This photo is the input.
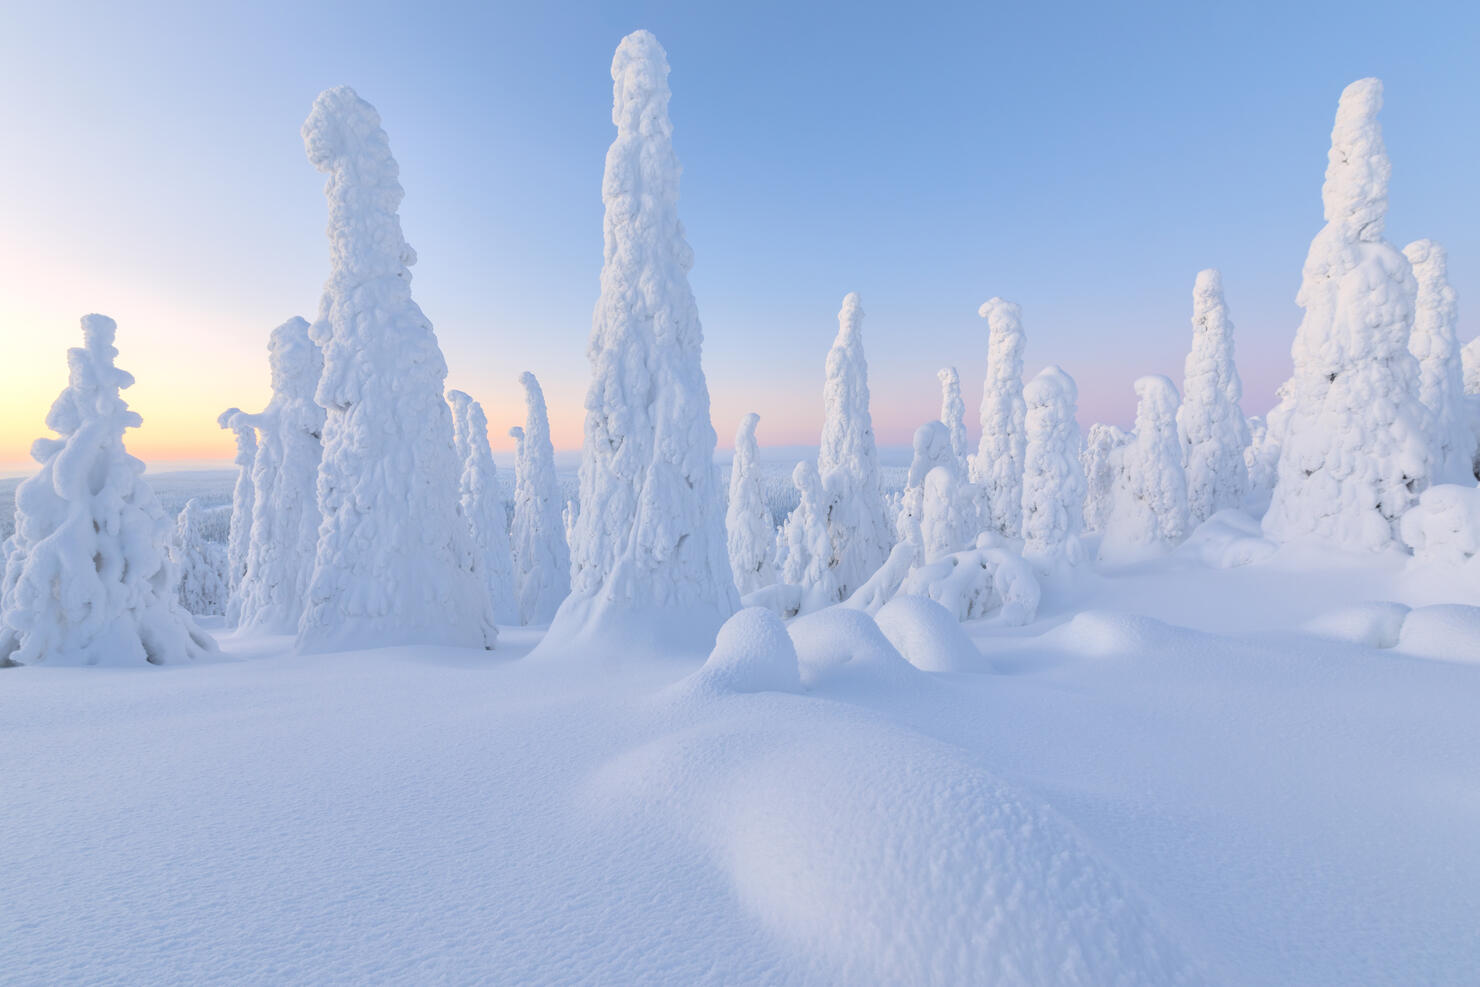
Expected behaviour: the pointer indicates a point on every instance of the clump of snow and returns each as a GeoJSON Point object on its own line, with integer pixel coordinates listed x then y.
{"type": "Point", "coordinates": [884, 584]}
{"type": "Point", "coordinates": [1444, 526]}
{"type": "Point", "coordinates": [953, 412]}
{"type": "Point", "coordinates": [1149, 516]}
{"type": "Point", "coordinates": [1355, 452]}
{"type": "Point", "coordinates": [239, 533]}
{"type": "Point", "coordinates": [1053, 482]}
{"type": "Point", "coordinates": [650, 537]}
{"type": "Point", "coordinates": [483, 506]}
{"type": "Point", "coordinates": [979, 582]}
{"type": "Point", "coordinates": [541, 551]}
{"type": "Point", "coordinates": [998, 466]}
{"type": "Point", "coordinates": [752, 653]}
{"type": "Point", "coordinates": [88, 579]}
{"type": "Point", "coordinates": [1375, 625]}
{"type": "Point", "coordinates": [201, 564]}
{"type": "Point", "coordinates": [1447, 631]}
{"type": "Point", "coordinates": [1441, 379]}
{"type": "Point", "coordinates": [1211, 425]}
{"type": "Point", "coordinates": [927, 635]}
{"type": "Point", "coordinates": [782, 599]}
{"type": "Point", "coordinates": [805, 548]}
{"type": "Point", "coordinates": [843, 645]}
{"type": "Point", "coordinates": [395, 563]}
{"type": "Point", "coordinates": [751, 538]}
{"type": "Point", "coordinates": [1098, 459]}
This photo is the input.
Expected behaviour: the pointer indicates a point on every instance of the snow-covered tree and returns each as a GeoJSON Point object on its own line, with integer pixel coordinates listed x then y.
{"type": "Point", "coordinates": [483, 506]}
{"type": "Point", "coordinates": [395, 562]}
{"type": "Point", "coordinates": [953, 411]}
{"type": "Point", "coordinates": [239, 532]}
{"type": "Point", "coordinates": [998, 466]}
{"type": "Point", "coordinates": [1053, 480]}
{"type": "Point", "coordinates": [1470, 364]}
{"type": "Point", "coordinates": [1097, 459]}
{"type": "Point", "coordinates": [1355, 452]}
{"type": "Point", "coordinates": [932, 448]}
{"type": "Point", "coordinates": [1210, 422]}
{"type": "Point", "coordinates": [285, 513]}
{"type": "Point", "coordinates": [752, 538]}
{"type": "Point", "coordinates": [948, 518]}
{"type": "Point", "coordinates": [1441, 380]}
{"type": "Point", "coordinates": [806, 548]}
{"type": "Point", "coordinates": [650, 561]}
{"type": "Point", "coordinates": [848, 460]}
{"type": "Point", "coordinates": [1149, 515]}
{"type": "Point", "coordinates": [201, 564]}
{"type": "Point", "coordinates": [541, 553]}
{"type": "Point", "coordinates": [88, 577]}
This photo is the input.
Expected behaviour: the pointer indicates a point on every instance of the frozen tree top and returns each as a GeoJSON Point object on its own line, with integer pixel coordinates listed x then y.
{"type": "Point", "coordinates": [1356, 188]}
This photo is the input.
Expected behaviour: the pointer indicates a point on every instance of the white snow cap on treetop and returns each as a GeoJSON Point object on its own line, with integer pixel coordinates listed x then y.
{"type": "Point", "coordinates": [1356, 186]}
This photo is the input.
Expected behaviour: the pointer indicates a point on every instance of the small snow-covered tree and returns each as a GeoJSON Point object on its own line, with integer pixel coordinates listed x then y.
{"type": "Point", "coordinates": [483, 506]}
{"type": "Point", "coordinates": [1210, 422]}
{"type": "Point", "coordinates": [948, 518]}
{"type": "Point", "coordinates": [806, 546]}
{"type": "Point", "coordinates": [1097, 459]}
{"type": "Point", "coordinates": [1355, 452]}
{"type": "Point", "coordinates": [395, 563]}
{"type": "Point", "coordinates": [752, 538]}
{"type": "Point", "coordinates": [1053, 480]}
{"type": "Point", "coordinates": [239, 533]}
{"type": "Point", "coordinates": [848, 460]}
{"type": "Point", "coordinates": [88, 578]}
{"type": "Point", "coordinates": [201, 564]}
{"type": "Point", "coordinates": [1441, 378]}
{"type": "Point", "coordinates": [998, 466]}
{"type": "Point", "coordinates": [541, 552]}
{"type": "Point", "coordinates": [953, 411]}
{"type": "Point", "coordinates": [1149, 515]}
{"type": "Point", "coordinates": [932, 448]}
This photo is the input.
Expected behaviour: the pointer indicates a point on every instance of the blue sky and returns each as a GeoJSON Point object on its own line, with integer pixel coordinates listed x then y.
{"type": "Point", "coordinates": [1082, 160]}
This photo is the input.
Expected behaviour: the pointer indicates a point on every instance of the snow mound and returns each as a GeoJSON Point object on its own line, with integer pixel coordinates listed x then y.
{"type": "Point", "coordinates": [1101, 633]}
{"type": "Point", "coordinates": [840, 644]}
{"type": "Point", "coordinates": [1448, 632]}
{"type": "Point", "coordinates": [752, 653]}
{"type": "Point", "coordinates": [927, 635]}
{"type": "Point", "coordinates": [782, 599]}
{"type": "Point", "coordinates": [1227, 540]}
{"type": "Point", "coordinates": [1376, 625]}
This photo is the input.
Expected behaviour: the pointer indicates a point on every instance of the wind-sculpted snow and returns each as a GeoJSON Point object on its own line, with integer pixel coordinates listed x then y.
{"type": "Point", "coordinates": [998, 466]}
{"type": "Point", "coordinates": [953, 412]}
{"type": "Point", "coordinates": [1149, 516]}
{"type": "Point", "coordinates": [1210, 422]}
{"type": "Point", "coordinates": [748, 529]}
{"type": "Point", "coordinates": [1441, 378]}
{"type": "Point", "coordinates": [395, 563]}
{"type": "Point", "coordinates": [541, 553]}
{"type": "Point", "coordinates": [483, 505]}
{"type": "Point", "coordinates": [1053, 481]}
{"type": "Point", "coordinates": [239, 536]}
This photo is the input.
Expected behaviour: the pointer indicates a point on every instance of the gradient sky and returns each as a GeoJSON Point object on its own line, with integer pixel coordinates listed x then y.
{"type": "Point", "coordinates": [1083, 160]}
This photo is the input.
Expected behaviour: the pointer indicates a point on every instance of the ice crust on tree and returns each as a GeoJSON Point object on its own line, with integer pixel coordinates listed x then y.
{"type": "Point", "coordinates": [239, 533]}
{"type": "Point", "coordinates": [848, 459]}
{"type": "Point", "coordinates": [395, 562]}
{"type": "Point", "coordinates": [88, 577]}
{"type": "Point", "coordinates": [1149, 514]}
{"type": "Point", "coordinates": [541, 553]}
{"type": "Point", "coordinates": [285, 514]}
{"type": "Point", "coordinates": [1355, 452]}
{"type": "Point", "coordinates": [650, 565]}
{"type": "Point", "coordinates": [748, 528]}
{"type": "Point", "coordinates": [805, 548]}
{"type": "Point", "coordinates": [1053, 480]}
{"type": "Point", "coordinates": [1441, 377]}
{"type": "Point", "coordinates": [483, 505]}
{"type": "Point", "coordinates": [1210, 422]}
{"type": "Point", "coordinates": [998, 466]}
{"type": "Point", "coordinates": [201, 564]}
{"type": "Point", "coordinates": [953, 412]}
{"type": "Point", "coordinates": [1097, 459]}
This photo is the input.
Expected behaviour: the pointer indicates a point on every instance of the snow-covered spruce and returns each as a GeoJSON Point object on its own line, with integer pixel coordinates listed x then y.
{"type": "Point", "coordinates": [88, 578]}
{"type": "Point", "coordinates": [752, 539]}
{"type": "Point", "coordinates": [1053, 480]}
{"type": "Point", "coordinates": [949, 516]}
{"type": "Point", "coordinates": [805, 548]}
{"type": "Point", "coordinates": [285, 512]}
{"type": "Point", "coordinates": [998, 466]}
{"type": "Point", "coordinates": [541, 552]}
{"type": "Point", "coordinates": [239, 533]}
{"type": "Point", "coordinates": [395, 561]}
{"type": "Point", "coordinates": [650, 566]}
{"type": "Point", "coordinates": [1355, 452]}
{"type": "Point", "coordinates": [932, 448]}
{"type": "Point", "coordinates": [953, 412]}
{"type": "Point", "coordinates": [1210, 422]}
{"type": "Point", "coordinates": [1441, 379]}
{"type": "Point", "coordinates": [1470, 365]}
{"type": "Point", "coordinates": [483, 506]}
{"type": "Point", "coordinates": [848, 459]}
{"type": "Point", "coordinates": [200, 564]}
{"type": "Point", "coordinates": [1149, 515]}
{"type": "Point", "coordinates": [1097, 460]}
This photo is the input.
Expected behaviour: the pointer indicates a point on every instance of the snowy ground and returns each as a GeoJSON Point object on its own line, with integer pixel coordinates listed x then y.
{"type": "Point", "coordinates": [1180, 782]}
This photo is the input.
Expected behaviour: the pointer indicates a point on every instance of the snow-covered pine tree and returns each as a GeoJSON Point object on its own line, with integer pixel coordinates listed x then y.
{"type": "Point", "coordinates": [1434, 343]}
{"type": "Point", "coordinates": [541, 552]}
{"type": "Point", "coordinates": [1355, 452]}
{"type": "Point", "coordinates": [1211, 424]}
{"type": "Point", "coordinates": [483, 506]}
{"type": "Point", "coordinates": [239, 532]}
{"type": "Point", "coordinates": [932, 448]}
{"type": "Point", "coordinates": [748, 528]}
{"type": "Point", "coordinates": [1097, 459]}
{"type": "Point", "coordinates": [200, 564]}
{"type": "Point", "coordinates": [395, 562]}
{"type": "Point", "coordinates": [953, 412]}
{"type": "Point", "coordinates": [88, 579]}
{"type": "Point", "coordinates": [1053, 480]}
{"type": "Point", "coordinates": [806, 544]}
{"type": "Point", "coordinates": [1149, 515]}
{"type": "Point", "coordinates": [998, 466]}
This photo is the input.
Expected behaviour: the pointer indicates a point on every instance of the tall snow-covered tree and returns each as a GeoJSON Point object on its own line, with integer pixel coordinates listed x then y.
{"type": "Point", "coordinates": [1210, 422]}
{"type": "Point", "coordinates": [541, 553]}
{"type": "Point", "coordinates": [1097, 459]}
{"type": "Point", "coordinates": [1053, 480]}
{"type": "Point", "coordinates": [1355, 452]}
{"type": "Point", "coordinates": [998, 466]}
{"type": "Point", "coordinates": [483, 506]}
{"type": "Point", "coordinates": [285, 514]}
{"type": "Point", "coordinates": [650, 562]}
{"type": "Point", "coordinates": [239, 532]}
{"type": "Point", "coordinates": [395, 562]}
{"type": "Point", "coordinates": [848, 459]}
{"type": "Point", "coordinates": [806, 545]}
{"type": "Point", "coordinates": [1149, 515]}
{"type": "Point", "coordinates": [953, 411]}
{"type": "Point", "coordinates": [751, 536]}
{"type": "Point", "coordinates": [1441, 377]}
{"type": "Point", "coordinates": [200, 564]}
{"type": "Point", "coordinates": [88, 578]}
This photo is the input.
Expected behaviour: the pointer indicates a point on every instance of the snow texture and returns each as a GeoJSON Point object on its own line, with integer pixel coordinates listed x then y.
{"type": "Point", "coordinates": [953, 412]}
{"type": "Point", "coordinates": [1098, 458]}
{"type": "Point", "coordinates": [998, 467]}
{"type": "Point", "coordinates": [1053, 483]}
{"type": "Point", "coordinates": [1210, 422]}
{"type": "Point", "coordinates": [1444, 526]}
{"type": "Point", "coordinates": [541, 552]}
{"type": "Point", "coordinates": [1355, 452]}
{"type": "Point", "coordinates": [1149, 516]}
{"type": "Point", "coordinates": [239, 534]}
{"type": "Point", "coordinates": [1441, 378]}
{"type": "Point", "coordinates": [748, 529]}
{"type": "Point", "coordinates": [201, 564]}
{"type": "Point", "coordinates": [650, 564]}
{"type": "Point", "coordinates": [483, 505]}
{"type": "Point", "coordinates": [88, 579]}
{"type": "Point", "coordinates": [395, 563]}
